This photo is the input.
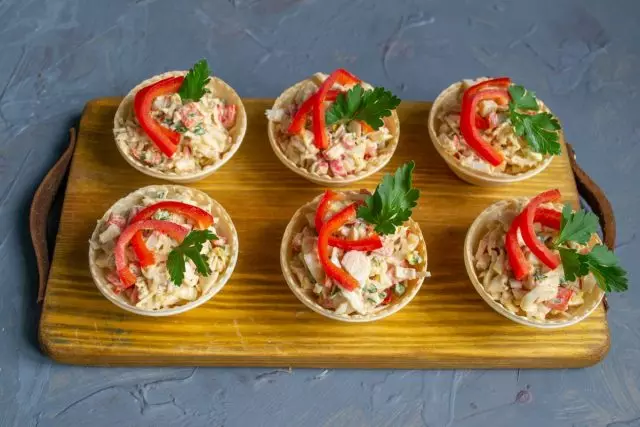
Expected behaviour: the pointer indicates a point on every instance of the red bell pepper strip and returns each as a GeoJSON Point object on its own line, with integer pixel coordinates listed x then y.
{"type": "Point", "coordinates": [200, 217]}
{"type": "Point", "coordinates": [520, 266]}
{"type": "Point", "coordinates": [365, 244]}
{"type": "Point", "coordinates": [324, 206]}
{"type": "Point", "coordinates": [561, 301]}
{"type": "Point", "coordinates": [543, 253]}
{"type": "Point", "coordinates": [548, 217]}
{"type": "Point", "coordinates": [498, 82]}
{"type": "Point", "coordinates": [144, 255]}
{"type": "Point", "coordinates": [165, 139]}
{"type": "Point", "coordinates": [468, 129]}
{"type": "Point", "coordinates": [318, 108]}
{"type": "Point", "coordinates": [300, 118]}
{"type": "Point", "coordinates": [173, 230]}
{"type": "Point", "coordinates": [337, 273]}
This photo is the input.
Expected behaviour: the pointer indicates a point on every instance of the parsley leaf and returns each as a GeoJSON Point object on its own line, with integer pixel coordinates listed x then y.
{"type": "Point", "coordinates": [522, 98]}
{"type": "Point", "coordinates": [573, 264]}
{"type": "Point", "coordinates": [392, 202]}
{"type": "Point", "coordinates": [190, 248]}
{"type": "Point", "coordinates": [366, 105]}
{"type": "Point", "coordinates": [195, 82]}
{"type": "Point", "coordinates": [541, 129]}
{"type": "Point", "coordinates": [576, 226]}
{"type": "Point", "coordinates": [605, 268]}
{"type": "Point", "coordinates": [600, 261]}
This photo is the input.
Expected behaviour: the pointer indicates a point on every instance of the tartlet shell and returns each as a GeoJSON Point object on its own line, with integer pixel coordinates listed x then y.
{"type": "Point", "coordinates": [392, 122]}
{"type": "Point", "coordinates": [475, 233]}
{"type": "Point", "coordinates": [223, 90]}
{"type": "Point", "coordinates": [225, 228]}
{"type": "Point", "coordinates": [472, 176]}
{"type": "Point", "coordinates": [298, 221]}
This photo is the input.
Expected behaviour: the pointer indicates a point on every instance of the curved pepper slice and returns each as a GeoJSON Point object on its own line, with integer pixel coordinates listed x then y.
{"type": "Point", "coordinates": [173, 230]}
{"type": "Point", "coordinates": [527, 217]}
{"type": "Point", "coordinates": [468, 127]}
{"type": "Point", "coordinates": [318, 108]}
{"type": "Point", "coordinates": [520, 266]}
{"type": "Point", "coordinates": [370, 243]}
{"type": "Point", "coordinates": [144, 255]}
{"type": "Point", "coordinates": [548, 217]}
{"type": "Point", "coordinates": [335, 272]}
{"type": "Point", "coordinates": [498, 82]}
{"type": "Point", "coordinates": [165, 139]}
{"type": "Point", "coordinates": [200, 217]}
{"type": "Point", "coordinates": [300, 118]}
{"type": "Point", "coordinates": [324, 206]}
{"type": "Point", "coordinates": [365, 244]}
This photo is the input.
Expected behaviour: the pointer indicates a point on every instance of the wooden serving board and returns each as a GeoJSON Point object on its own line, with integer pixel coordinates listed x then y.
{"type": "Point", "coordinates": [256, 320]}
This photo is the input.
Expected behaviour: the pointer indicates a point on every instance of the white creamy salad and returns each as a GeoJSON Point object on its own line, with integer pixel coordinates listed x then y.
{"type": "Point", "coordinates": [538, 295]}
{"type": "Point", "coordinates": [518, 157]}
{"type": "Point", "coordinates": [204, 126]}
{"type": "Point", "coordinates": [153, 288]}
{"type": "Point", "coordinates": [383, 274]}
{"type": "Point", "coordinates": [352, 146]}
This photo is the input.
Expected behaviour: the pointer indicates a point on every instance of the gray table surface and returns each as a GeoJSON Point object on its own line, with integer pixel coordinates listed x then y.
{"type": "Point", "coordinates": [582, 58]}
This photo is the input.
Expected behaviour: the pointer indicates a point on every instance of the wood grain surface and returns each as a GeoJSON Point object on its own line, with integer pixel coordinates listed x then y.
{"type": "Point", "coordinates": [255, 319]}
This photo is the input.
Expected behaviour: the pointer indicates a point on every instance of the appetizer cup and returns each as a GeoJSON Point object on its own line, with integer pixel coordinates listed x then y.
{"type": "Point", "coordinates": [449, 100]}
{"type": "Point", "coordinates": [475, 234]}
{"type": "Point", "coordinates": [290, 96]}
{"type": "Point", "coordinates": [209, 287]}
{"type": "Point", "coordinates": [299, 221]}
{"type": "Point", "coordinates": [125, 116]}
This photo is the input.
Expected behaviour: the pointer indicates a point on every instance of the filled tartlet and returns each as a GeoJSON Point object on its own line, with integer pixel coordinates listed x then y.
{"type": "Point", "coordinates": [356, 256]}
{"type": "Point", "coordinates": [180, 126]}
{"type": "Point", "coordinates": [334, 129]}
{"type": "Point", "coordinates": [492, 131]}
{"type": "Point", "coordinates": [540, 263]}
{"type": "Point", "coordinates": [163, 250]}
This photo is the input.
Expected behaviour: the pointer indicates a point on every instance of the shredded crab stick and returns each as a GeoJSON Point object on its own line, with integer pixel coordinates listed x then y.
{"type": "Point", "coordinates": [175, 231]}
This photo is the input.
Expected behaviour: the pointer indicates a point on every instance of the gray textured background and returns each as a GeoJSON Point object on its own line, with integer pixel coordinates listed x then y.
{"type": "Point", "coordinates": [582, 58]}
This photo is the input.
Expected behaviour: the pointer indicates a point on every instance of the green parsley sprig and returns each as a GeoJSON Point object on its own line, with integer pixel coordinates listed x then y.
{"type": "Point", "coordinates": [369, 106]}
{"type": "Point", "coordinates": [540, 129]}
{"type": "Point", "coordinates": [392, 202]}
{"type": "Point", "coordinates": [195, 82]}
{"type": "Point", "coordinates": [190, 248]}
{"type": "Point", "coordinates": [600, 261]}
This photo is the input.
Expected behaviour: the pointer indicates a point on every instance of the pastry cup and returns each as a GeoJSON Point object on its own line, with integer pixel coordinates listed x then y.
{"type": "Point", "coordinates": [392, 123]}
{"type": "Point", "coordinates": [475, 234]}
{"type": "Point", "coordinates": [222, 90]}
{"type": "Point", "coordinates": [296, 224]}
{"type": "Point", "coordinates": [224, 228]}
{"type": "Point", "coordinates": [447, 98]}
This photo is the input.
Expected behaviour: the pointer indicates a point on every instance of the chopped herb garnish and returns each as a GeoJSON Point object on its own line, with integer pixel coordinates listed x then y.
{"type": "Point", "coordinates": [199, 130]}
{"type": "Point", "coordinates": [161, 215]}
{"type": "Point", "coordinates": [190, 248]}
{"type": "Point", "coordinates": [372, 301]}
{"type": "Point", "coordinates": [370, 106]}
{"type": "Point", "coordinates": [195, 82]}
{"type": "Point", "coordinates": [180, 128]}
{"type": "Point", "coordinates": [399, 289]}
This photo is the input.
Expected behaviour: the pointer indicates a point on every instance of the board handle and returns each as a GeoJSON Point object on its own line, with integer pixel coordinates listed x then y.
{"type": "Point", "coordinates": [40, 207]}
